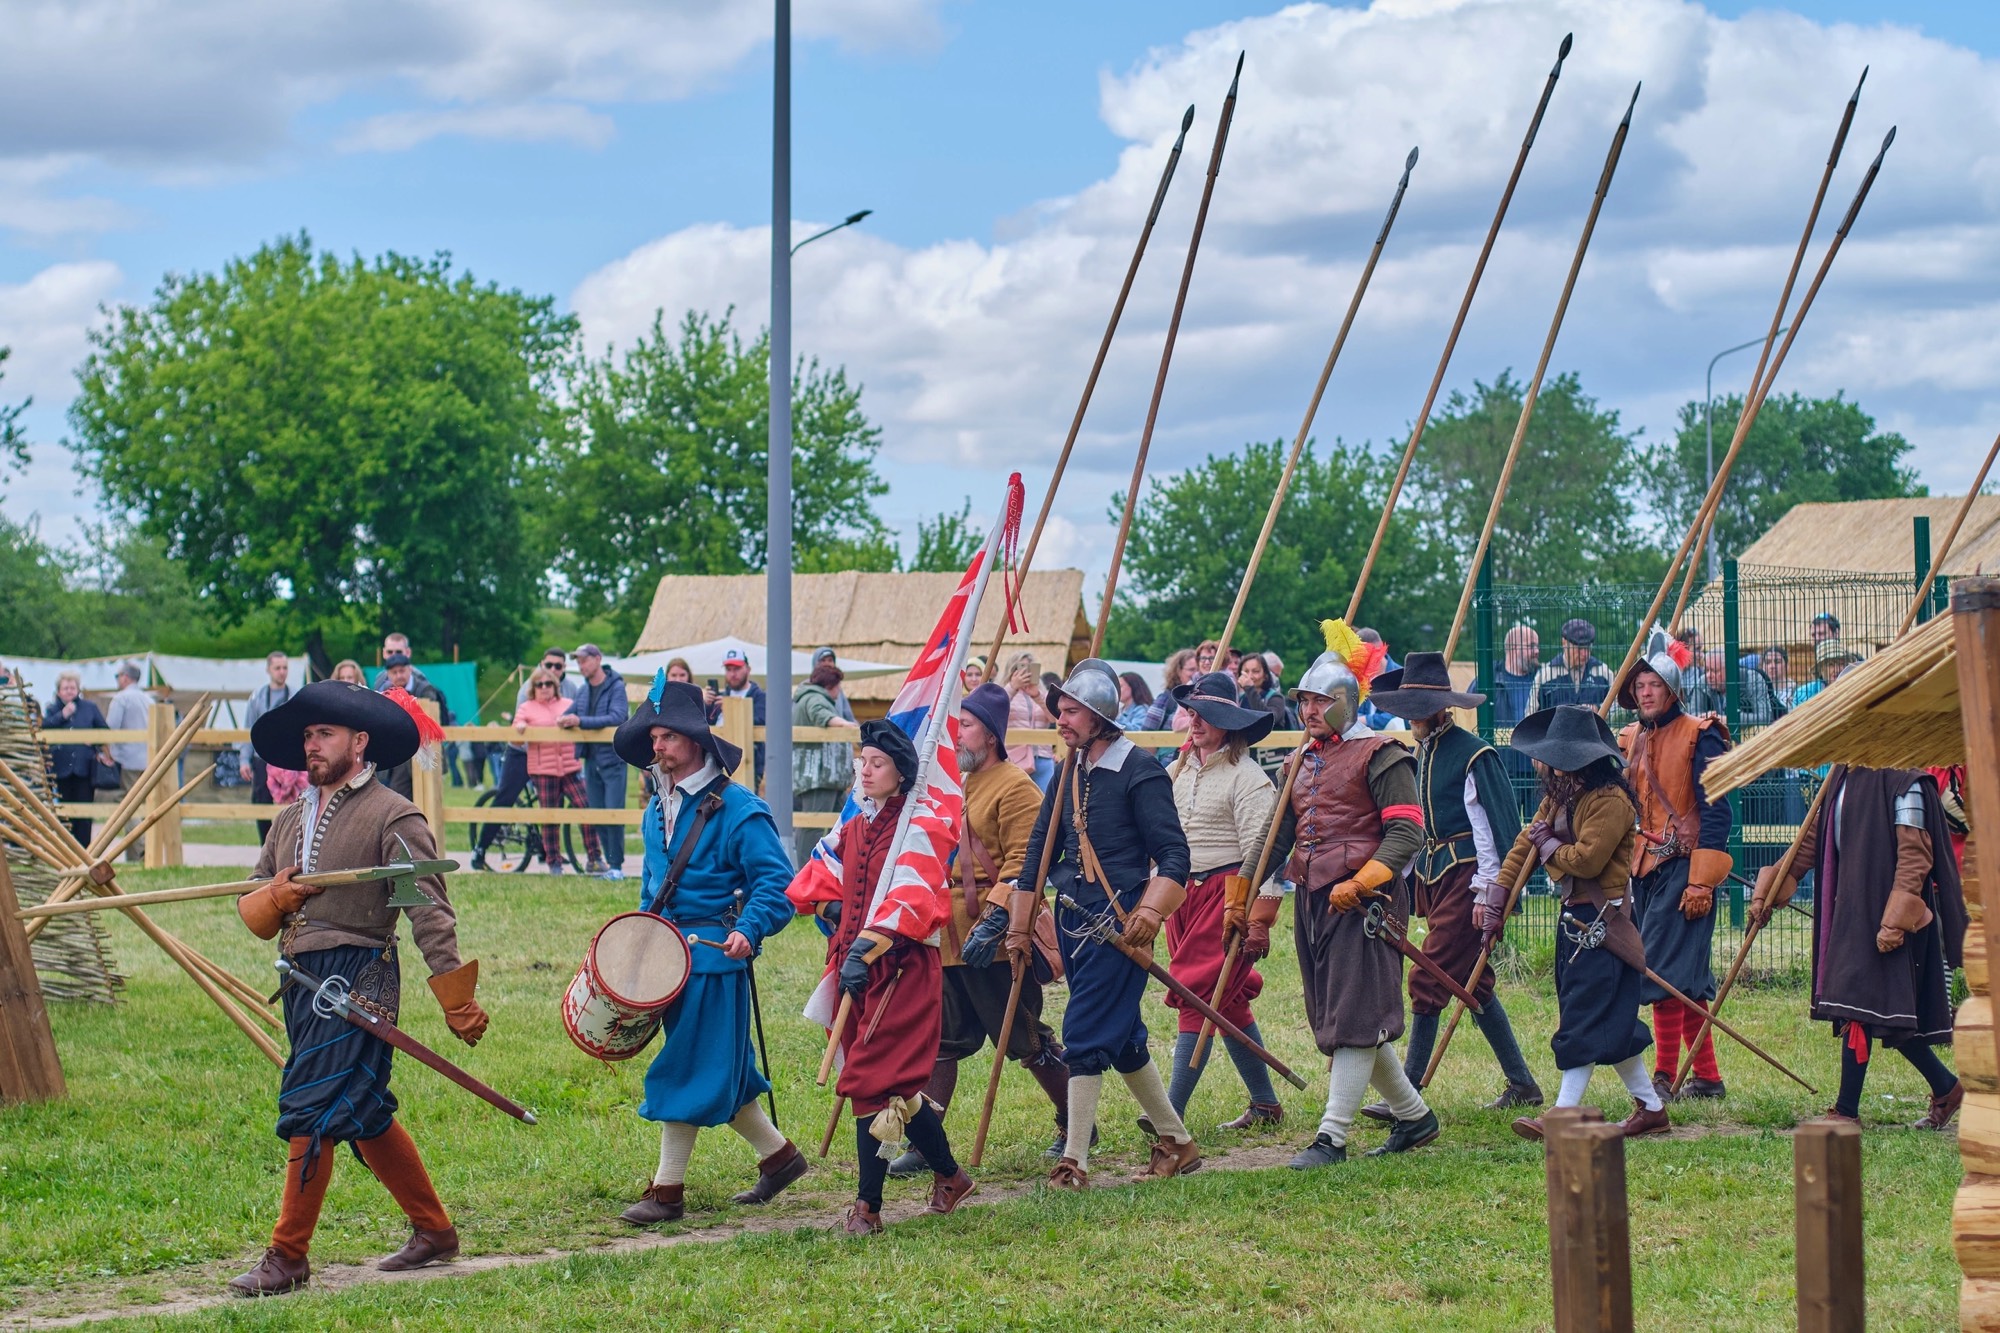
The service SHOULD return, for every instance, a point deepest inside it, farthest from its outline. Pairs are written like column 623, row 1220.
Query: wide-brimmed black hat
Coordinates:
column 892, row 740
column 1213, row 699
column 1570, row 737
column 1420, row 688
column 989, row 703
column 675, row 705
column 279, row 736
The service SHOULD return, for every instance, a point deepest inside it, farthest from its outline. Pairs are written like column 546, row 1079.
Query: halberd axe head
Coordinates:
column 402, row 876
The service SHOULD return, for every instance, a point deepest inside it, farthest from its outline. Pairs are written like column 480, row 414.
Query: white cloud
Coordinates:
column 540, row 122
column 45, row 321
column 973, row 353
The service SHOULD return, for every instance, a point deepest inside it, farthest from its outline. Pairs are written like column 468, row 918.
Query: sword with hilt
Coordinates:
column 330, row 997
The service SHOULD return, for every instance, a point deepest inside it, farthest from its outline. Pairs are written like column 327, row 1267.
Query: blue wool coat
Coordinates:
column 706, row 1070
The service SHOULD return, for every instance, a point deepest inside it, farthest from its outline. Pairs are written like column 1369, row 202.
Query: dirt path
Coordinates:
column 202, row 1287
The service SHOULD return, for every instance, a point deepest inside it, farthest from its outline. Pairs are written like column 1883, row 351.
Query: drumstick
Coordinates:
column 707, row 944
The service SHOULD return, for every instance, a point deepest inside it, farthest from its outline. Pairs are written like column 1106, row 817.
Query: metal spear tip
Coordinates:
column 1857, row 86
column 1562, row 52
column 1237, row 77
column 1187, row 121
column 1887, row 139
column 1410, row 162
column 1634, row 102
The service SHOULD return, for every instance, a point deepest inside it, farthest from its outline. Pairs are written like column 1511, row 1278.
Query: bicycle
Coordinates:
column 514, row 846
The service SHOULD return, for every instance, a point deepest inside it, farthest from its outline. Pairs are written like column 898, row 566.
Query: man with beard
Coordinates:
column 1470, row 818
column 1353, row 823
column 335, row 1086
column 1001, row 802
column 1119, row 852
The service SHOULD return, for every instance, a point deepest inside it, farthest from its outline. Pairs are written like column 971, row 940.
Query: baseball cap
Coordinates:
column 823, row 655
column 588, row 650
column 735, row 655
column 395, row 659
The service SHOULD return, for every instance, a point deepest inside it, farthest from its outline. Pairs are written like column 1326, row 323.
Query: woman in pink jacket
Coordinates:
column 553, row 765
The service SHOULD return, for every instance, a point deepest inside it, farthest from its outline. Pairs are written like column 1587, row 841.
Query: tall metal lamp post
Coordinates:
column 1708, row 425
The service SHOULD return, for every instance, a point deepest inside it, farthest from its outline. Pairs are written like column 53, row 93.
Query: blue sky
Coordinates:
column 615, row 155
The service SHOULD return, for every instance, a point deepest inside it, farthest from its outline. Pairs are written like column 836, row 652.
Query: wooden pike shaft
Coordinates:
column 1451, row 340
column 75, row 878
column 196, row 892
column 139, row 830
column 1951, row 535
column 1063, row 780
column 1751, row 407
column 1727, row 1030
column 1535, row 385
column 157, row 768
column 832, row 1123
column 1312, row 410
column 1166, row 359
column 1090, row 383
column 1479, row 965
column 1263, row 869
column 1707, row 523
column 1778, row 876
column 833, row 1036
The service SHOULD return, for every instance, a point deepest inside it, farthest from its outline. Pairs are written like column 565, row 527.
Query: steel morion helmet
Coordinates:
column 1664, row 656
column 1093, row 684
column 1331, row 677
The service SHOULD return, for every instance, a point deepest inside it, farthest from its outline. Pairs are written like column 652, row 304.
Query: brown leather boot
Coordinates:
column 948, row 1191
column 660, row 1203
column 1067, row 1175
column 1259, row 1114
column 1942, row 1109
column 274, row 1275
column 1642, row 1122
column 860, row 1220
column 423, row 1247
column 774, row 1173
column 1530, row 1128
column 1171, row 1159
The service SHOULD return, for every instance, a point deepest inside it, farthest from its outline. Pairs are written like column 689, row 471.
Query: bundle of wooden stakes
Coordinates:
column 28, row 822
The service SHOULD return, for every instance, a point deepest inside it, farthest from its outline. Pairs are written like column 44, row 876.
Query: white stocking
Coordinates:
column 757, row 1130
column 1153, row 1100
column 1633, row 1072
column 1573, row 1085
column 1083, row 1093
column 676, row 1146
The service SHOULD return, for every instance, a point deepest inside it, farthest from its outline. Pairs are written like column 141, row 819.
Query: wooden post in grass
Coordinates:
column 427, row 782
column 163, row 839
column 1826, row 1192
column 738, row 718
column 1589, row 1233
column 30, row 1070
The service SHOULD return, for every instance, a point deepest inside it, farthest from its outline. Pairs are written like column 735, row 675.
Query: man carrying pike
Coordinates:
column 1001, row 802
column 1353, row 823
column 715, row 868
column 335, row 1086
column 1470, row 819
column 1682, row 855
column 1117, row 849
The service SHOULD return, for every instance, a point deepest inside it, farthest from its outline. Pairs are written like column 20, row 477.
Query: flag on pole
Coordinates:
column 911, row 897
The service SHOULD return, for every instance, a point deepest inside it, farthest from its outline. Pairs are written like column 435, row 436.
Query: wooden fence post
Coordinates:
column 1975, row 614
column 427, row 783
column 163, row 840
column 738, row 719
column 1826, row 1193
column 30, row 1070
column 1590, row 1244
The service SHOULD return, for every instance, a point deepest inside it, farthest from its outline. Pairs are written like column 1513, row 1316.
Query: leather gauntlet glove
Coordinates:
column 462, row 1013
column 982, row 942
column 1257, row 934
column 854, row 968
column 1235, row 905
column 264, row 910
column 1156, row 904
column 1366, row 883
column 1697, row 901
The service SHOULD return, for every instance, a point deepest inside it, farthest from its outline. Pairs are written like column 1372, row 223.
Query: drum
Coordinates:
column 635, row 968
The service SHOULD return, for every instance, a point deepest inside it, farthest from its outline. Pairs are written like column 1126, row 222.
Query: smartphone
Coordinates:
column 713, row 688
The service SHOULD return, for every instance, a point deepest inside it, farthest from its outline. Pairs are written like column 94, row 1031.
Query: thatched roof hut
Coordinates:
column 876, row 617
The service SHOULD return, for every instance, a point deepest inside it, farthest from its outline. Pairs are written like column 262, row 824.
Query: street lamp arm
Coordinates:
column 848, row 221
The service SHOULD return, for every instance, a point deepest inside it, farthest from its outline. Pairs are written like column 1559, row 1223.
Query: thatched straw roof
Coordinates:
column 877, row 617
column 1873, row 536
column 1899, row 709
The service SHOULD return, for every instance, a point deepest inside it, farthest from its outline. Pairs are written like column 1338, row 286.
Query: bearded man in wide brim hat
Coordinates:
column 1352, row 825
column 335, row 1086
column 1470, row 818
column 1225, row 802
column 730, row 891
column 1583, row 837
column 1683, row 855
column 1118, row 850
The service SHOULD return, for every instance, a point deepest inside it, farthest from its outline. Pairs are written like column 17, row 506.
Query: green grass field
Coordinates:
column 158, row 1178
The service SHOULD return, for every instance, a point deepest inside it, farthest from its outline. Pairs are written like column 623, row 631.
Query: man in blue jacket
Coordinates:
column 730, row 890
column 602, row 703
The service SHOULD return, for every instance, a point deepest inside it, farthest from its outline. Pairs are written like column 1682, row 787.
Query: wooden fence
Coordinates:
column 164, row 839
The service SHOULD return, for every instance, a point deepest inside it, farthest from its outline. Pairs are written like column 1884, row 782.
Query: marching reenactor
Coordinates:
column 1470, row 816
column 1001, row 802
column 887, row 957
column 1888, row 925
column 1225, row 802
column 335, row 1086
column 1682, row 855
column 1118, row 851
column 1353, row 823
column 714, row 866
column 1583, row 836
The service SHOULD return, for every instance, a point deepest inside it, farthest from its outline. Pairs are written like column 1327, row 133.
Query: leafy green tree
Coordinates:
column 665, row 469
column 1191, row 540
column 342, row 441
column 1800, row 451
column 947, row 543
column 36, row 614
column 13, row 443
column 1569, row 515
